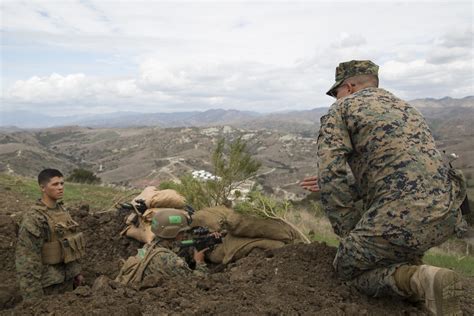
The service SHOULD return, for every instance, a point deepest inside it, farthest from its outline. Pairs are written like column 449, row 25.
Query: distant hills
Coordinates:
column 289, row 121
column 150, row 148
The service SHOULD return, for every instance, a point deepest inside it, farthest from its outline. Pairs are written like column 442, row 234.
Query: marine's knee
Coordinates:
column 345, row 264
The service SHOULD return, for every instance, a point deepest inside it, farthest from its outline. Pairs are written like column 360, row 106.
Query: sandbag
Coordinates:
column 155, row 198
column 235, row 248
column 167, row 199
column 217, row 254
column 142, row 234
column 257, row 227
column 146, row 195
column 212, row 217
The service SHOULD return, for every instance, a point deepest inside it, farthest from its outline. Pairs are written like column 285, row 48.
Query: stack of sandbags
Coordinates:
column 213, row 218
column 156, row 200
column 244, row 232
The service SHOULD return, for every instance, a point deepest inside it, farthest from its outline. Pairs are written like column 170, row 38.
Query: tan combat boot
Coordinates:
column 440, row 288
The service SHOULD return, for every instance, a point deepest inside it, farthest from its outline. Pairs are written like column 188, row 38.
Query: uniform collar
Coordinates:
column 59, row 205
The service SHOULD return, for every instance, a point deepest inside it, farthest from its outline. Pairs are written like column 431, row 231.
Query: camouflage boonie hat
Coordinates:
column 352, row 68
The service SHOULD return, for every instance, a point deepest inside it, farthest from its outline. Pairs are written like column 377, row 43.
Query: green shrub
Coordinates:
column 232, row 164
column 83, row 176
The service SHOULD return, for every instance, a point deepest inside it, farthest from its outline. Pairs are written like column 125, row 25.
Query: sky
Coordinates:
column 66, row 58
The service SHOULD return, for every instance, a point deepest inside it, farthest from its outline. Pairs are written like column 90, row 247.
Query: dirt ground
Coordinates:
column 294, row 280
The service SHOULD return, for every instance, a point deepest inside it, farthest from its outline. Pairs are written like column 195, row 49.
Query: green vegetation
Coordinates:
column 98, row 197
column 232, row 164
column 461, row 264
column 330, row 240
column 83, row 176
column 267, row 207
column 192, row 189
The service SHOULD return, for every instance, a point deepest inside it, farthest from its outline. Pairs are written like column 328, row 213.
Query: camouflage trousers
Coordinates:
column 368, row 262
column 66, row 286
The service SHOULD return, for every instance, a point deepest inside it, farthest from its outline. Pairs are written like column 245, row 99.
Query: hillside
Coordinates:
column 284, row 143
column 141, row 156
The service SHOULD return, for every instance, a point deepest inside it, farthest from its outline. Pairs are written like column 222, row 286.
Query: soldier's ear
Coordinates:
column 351, row 88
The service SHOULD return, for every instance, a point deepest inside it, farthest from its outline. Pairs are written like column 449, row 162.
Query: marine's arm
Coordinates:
column 171, row 265
column 337, row 195
column 28, row 260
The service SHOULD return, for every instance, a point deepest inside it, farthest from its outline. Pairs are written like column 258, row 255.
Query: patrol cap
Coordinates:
column 353, row 68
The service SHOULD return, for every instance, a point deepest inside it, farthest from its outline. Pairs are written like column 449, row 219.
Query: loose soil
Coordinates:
column 294, row 280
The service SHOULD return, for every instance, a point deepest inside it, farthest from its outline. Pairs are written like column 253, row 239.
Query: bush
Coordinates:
column 232, row 164
column 83, row 176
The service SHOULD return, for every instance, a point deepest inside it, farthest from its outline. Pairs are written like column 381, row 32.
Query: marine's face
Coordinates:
column 54, row 189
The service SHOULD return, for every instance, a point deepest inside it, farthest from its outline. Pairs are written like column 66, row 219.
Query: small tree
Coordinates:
column 192, row 189
column 232, row 164
column 83, row 176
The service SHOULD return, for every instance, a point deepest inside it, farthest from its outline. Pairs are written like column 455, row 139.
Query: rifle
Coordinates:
column 139, row 209
column 140, row 206
column 202, row 241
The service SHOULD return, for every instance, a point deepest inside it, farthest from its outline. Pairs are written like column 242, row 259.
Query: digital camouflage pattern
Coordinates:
column 167, row 263
column 33, row 276
column 353, row 68
column 411, row 198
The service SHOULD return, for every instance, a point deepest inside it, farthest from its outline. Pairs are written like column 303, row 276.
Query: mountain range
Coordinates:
column 244, row 119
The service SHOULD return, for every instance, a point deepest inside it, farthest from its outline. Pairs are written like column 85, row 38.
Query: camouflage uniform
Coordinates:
column 167, row 263
column 410, row 197
column 34, row 277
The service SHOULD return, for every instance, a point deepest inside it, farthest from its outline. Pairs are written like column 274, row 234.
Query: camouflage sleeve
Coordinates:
column 337, row 195
column 201, row 270
column 73, row 269
column 170, row 264
column 353, row 185
column 28, row 262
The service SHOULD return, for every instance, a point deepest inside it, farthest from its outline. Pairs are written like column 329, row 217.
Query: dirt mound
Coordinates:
column 296, row 279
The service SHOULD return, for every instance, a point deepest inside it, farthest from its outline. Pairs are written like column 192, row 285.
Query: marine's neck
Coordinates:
column 49, row 202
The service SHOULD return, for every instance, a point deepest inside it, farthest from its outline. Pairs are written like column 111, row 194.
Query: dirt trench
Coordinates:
column 294, row 280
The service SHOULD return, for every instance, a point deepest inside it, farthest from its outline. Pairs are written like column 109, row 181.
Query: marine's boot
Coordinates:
column 439, row 288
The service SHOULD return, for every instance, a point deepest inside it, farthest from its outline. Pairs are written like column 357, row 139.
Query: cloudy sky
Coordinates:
column 78, row 57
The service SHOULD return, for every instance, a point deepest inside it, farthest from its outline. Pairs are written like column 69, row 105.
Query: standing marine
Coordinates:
column 49, row 244
column 374, row 147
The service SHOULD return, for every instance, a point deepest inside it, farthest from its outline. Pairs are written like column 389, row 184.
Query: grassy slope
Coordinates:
column 459, row 263
column 98, row 197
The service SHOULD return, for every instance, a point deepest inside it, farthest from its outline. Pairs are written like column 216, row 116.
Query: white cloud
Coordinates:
column 165, row 56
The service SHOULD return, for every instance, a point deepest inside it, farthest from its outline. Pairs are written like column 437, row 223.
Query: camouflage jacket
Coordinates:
column 32, row 274
column 167, row 263
column 399, row 174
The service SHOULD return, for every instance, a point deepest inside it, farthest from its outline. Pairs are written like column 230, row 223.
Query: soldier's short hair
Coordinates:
column 368, row 80
column 47, row 174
